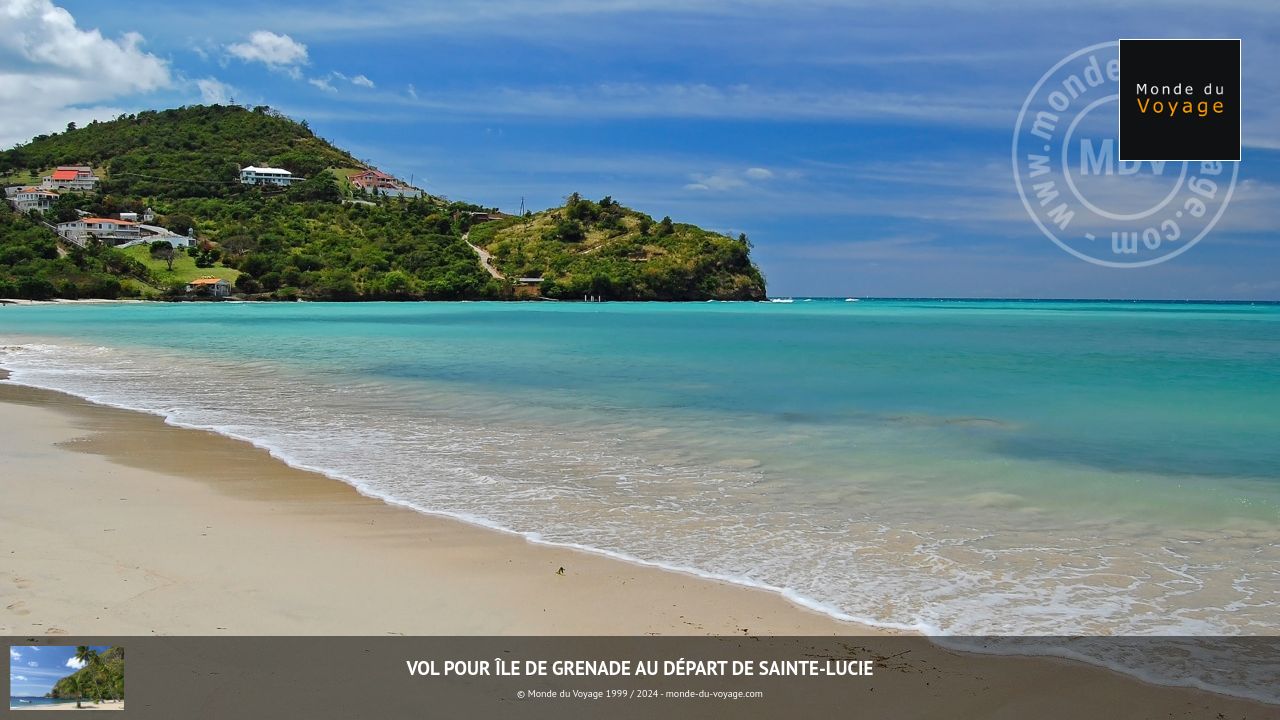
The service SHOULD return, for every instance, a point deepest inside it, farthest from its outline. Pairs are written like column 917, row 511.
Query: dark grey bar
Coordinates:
column 359, row 677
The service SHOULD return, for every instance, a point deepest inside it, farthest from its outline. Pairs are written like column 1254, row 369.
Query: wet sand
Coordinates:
column 116, row 524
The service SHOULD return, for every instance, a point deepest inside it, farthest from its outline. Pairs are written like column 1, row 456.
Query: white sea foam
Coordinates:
column 902, row 564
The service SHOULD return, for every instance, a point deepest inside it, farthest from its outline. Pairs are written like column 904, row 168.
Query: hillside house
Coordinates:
column 267, row 176
column 379, row 183
column 106, row 230
column 372, row 179
column 479, row 217
column 70, row 177
column 209, row 287
column 32, row 198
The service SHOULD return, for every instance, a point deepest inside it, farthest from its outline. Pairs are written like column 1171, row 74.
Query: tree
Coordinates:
column 247, row 284
column 322, row 187
column 87, row 681
column 569, row 231
column 74, row 682
column 64, row 209
column 163, row 250
column 87, row 656
column 179, row 223
column 666, row 227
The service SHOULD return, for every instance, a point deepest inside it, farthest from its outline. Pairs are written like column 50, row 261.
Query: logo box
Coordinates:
column 1179, row 100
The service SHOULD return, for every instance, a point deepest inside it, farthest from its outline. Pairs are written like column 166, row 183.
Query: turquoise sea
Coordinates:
column 24, row 703
column 954, row 467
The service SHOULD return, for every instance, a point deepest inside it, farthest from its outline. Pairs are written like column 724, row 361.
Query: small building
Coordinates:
column 403, row 191
column 130, row 216
column 209, row 287
column 32, row 198
column 371, row 178
column 71, row 177
column 267, row 176
column 379, row 183
column 110, row 231
column 528, row 288
column 479, row 217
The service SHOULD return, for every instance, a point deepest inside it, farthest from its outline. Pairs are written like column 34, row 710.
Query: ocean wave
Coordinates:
column 723, row 520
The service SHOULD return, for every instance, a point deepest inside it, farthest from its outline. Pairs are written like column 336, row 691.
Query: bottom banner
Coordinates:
column 625, row 677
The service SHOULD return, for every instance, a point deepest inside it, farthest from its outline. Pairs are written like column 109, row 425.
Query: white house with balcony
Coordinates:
column 267, row 176
column 32, row 198
column 106, row 230
column 70, row 177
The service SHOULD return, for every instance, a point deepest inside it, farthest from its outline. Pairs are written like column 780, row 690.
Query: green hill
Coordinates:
column 102, row 678
column 316, row 239
column 602, row 248
column 186, row 152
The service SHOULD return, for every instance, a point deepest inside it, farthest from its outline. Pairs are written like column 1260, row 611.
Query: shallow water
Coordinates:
column 953, row 467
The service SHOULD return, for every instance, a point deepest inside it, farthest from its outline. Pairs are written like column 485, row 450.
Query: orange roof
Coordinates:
column 64, row 174
column 206, row 281
column 107, row 220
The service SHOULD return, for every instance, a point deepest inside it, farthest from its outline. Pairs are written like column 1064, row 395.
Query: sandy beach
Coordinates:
column 118, row 524
column 188, row 532
column 72, row 706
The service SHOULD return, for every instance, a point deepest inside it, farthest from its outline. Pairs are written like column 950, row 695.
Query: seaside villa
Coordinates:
column 267, row 176
column 209, row 286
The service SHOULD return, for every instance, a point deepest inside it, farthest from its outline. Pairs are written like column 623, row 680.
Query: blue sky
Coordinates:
column 34, row 669
column 863, row 148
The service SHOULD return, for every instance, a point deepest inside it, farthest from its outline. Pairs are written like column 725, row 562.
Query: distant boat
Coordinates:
column 851, row 299
column 781, row 300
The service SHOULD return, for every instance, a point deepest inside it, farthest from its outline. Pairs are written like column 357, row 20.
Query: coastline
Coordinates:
column 125, row 525
column 19, row 302
column 86, row 705
column 223, row 502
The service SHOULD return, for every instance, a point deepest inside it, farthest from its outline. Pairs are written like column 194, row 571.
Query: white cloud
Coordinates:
column 52, row 72
column 413, row 91
column 75, row 664
column 22, row 678
column 727, row 179
column 14, row 654
column 323, row 84
column 275, row 51
column 33, row 663
column 326, row 83
column 215, row 91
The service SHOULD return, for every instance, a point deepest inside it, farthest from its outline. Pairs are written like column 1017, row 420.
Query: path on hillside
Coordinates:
column 486, row 259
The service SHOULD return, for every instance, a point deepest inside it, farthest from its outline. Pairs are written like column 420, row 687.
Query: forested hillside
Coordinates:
column 605, row 249
column 188, row 152
column 321, row 238
column 101, row 678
